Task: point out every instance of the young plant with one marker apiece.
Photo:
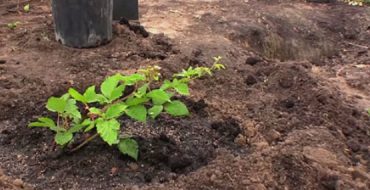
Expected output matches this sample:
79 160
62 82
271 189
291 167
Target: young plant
26 8
357 2
135 96
13 25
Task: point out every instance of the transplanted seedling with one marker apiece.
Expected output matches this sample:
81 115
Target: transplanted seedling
132 95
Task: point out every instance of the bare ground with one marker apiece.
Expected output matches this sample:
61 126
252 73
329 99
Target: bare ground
288 113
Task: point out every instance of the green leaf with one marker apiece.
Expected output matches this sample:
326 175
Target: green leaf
62 138
133 101
142 91
90 95
56 104
46 122
117 93
78 127
13 25
109 85
76 95
65 97
90 127
176 108
115 110
166 85
129 147
137 112
132 79
72 109
159 97
95 111
181 88
26 8
155 111
108 130
102 99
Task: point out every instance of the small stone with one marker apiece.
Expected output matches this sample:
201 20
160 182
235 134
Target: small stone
135 187
261 145
320 155
114 171
18 183
240 140
213 177
272 136
133 166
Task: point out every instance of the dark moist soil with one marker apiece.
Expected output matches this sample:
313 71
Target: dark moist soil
259 124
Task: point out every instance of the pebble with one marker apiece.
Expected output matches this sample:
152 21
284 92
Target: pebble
133 166
18 182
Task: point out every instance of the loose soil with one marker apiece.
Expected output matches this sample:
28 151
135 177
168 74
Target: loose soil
287 113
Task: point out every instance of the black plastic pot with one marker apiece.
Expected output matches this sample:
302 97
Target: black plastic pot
128 9
83 23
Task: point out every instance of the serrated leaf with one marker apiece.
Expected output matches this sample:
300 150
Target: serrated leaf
56 104
142 91
166 85
72 109
108 131
108 86
46 122
176 108
115 110
181 88
159 96
90 127
90 95
117 93
129 147
78 127
155 111
77 96
132 79
133 101
62 138
137 112
95 111
65 97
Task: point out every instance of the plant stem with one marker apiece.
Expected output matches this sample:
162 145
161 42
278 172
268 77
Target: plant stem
84 142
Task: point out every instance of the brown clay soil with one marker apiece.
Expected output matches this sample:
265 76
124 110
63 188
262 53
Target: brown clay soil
289 112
